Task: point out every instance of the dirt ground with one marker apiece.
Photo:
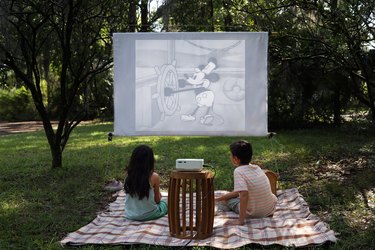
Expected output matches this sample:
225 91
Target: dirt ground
7 128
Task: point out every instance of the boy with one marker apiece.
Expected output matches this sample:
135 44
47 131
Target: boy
252 195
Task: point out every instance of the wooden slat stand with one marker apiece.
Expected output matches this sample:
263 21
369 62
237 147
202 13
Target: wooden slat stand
191 204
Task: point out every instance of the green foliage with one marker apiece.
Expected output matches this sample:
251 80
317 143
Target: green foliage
39 206
320 59
16 105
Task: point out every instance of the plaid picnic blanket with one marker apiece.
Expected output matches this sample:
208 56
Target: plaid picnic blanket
291 225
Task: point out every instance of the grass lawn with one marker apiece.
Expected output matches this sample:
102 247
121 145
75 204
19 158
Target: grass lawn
334 169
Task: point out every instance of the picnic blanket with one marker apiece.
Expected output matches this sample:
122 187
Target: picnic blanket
291 225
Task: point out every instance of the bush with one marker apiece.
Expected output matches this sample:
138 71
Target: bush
16 105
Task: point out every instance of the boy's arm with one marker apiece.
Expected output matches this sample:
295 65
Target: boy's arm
244 198
227 196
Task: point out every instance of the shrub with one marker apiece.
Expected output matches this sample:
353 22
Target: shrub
16 105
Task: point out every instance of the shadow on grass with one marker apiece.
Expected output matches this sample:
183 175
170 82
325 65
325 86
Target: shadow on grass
45 206
341 192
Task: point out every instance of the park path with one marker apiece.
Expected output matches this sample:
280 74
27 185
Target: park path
7 128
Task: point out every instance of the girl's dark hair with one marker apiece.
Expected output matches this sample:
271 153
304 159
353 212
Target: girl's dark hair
139 170
243 150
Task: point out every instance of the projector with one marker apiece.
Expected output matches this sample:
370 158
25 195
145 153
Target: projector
189 164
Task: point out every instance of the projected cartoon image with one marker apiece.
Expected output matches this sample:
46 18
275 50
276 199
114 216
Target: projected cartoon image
199 82
190 83
195 85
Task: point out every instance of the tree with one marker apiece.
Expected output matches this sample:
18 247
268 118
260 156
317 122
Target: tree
327 46
74 35
339 35
187 15
352 23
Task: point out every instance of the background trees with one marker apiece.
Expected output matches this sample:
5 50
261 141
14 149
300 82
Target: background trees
321 55
326 48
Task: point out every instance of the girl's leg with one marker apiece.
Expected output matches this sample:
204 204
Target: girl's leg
160 212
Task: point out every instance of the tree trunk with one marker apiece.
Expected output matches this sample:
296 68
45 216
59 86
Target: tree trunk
56 156
372 102
53 140
165 14
144 16
212 16
336 104
132 19
46 65
228 20
372 110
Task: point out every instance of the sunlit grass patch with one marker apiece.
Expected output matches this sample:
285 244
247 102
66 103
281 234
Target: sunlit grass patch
12 206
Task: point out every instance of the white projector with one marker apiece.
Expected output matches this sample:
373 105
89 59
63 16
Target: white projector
189 164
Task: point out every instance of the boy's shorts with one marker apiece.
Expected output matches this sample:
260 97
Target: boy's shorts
231 205
234 205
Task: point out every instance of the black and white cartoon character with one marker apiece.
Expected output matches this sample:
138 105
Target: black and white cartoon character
200 82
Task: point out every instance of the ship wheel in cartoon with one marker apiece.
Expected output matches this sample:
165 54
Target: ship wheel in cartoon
167 79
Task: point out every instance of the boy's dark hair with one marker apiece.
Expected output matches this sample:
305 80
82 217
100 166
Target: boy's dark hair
242 150
140 168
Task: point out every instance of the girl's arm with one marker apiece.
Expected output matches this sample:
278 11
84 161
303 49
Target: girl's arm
155 183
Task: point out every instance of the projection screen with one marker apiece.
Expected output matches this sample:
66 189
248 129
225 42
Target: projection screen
190 83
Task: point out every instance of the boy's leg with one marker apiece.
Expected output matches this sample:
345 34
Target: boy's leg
234 205
221 206
230 205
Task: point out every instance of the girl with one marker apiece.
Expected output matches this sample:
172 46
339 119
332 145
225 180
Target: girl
143 198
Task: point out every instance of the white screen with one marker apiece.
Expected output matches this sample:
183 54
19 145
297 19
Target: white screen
190 83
